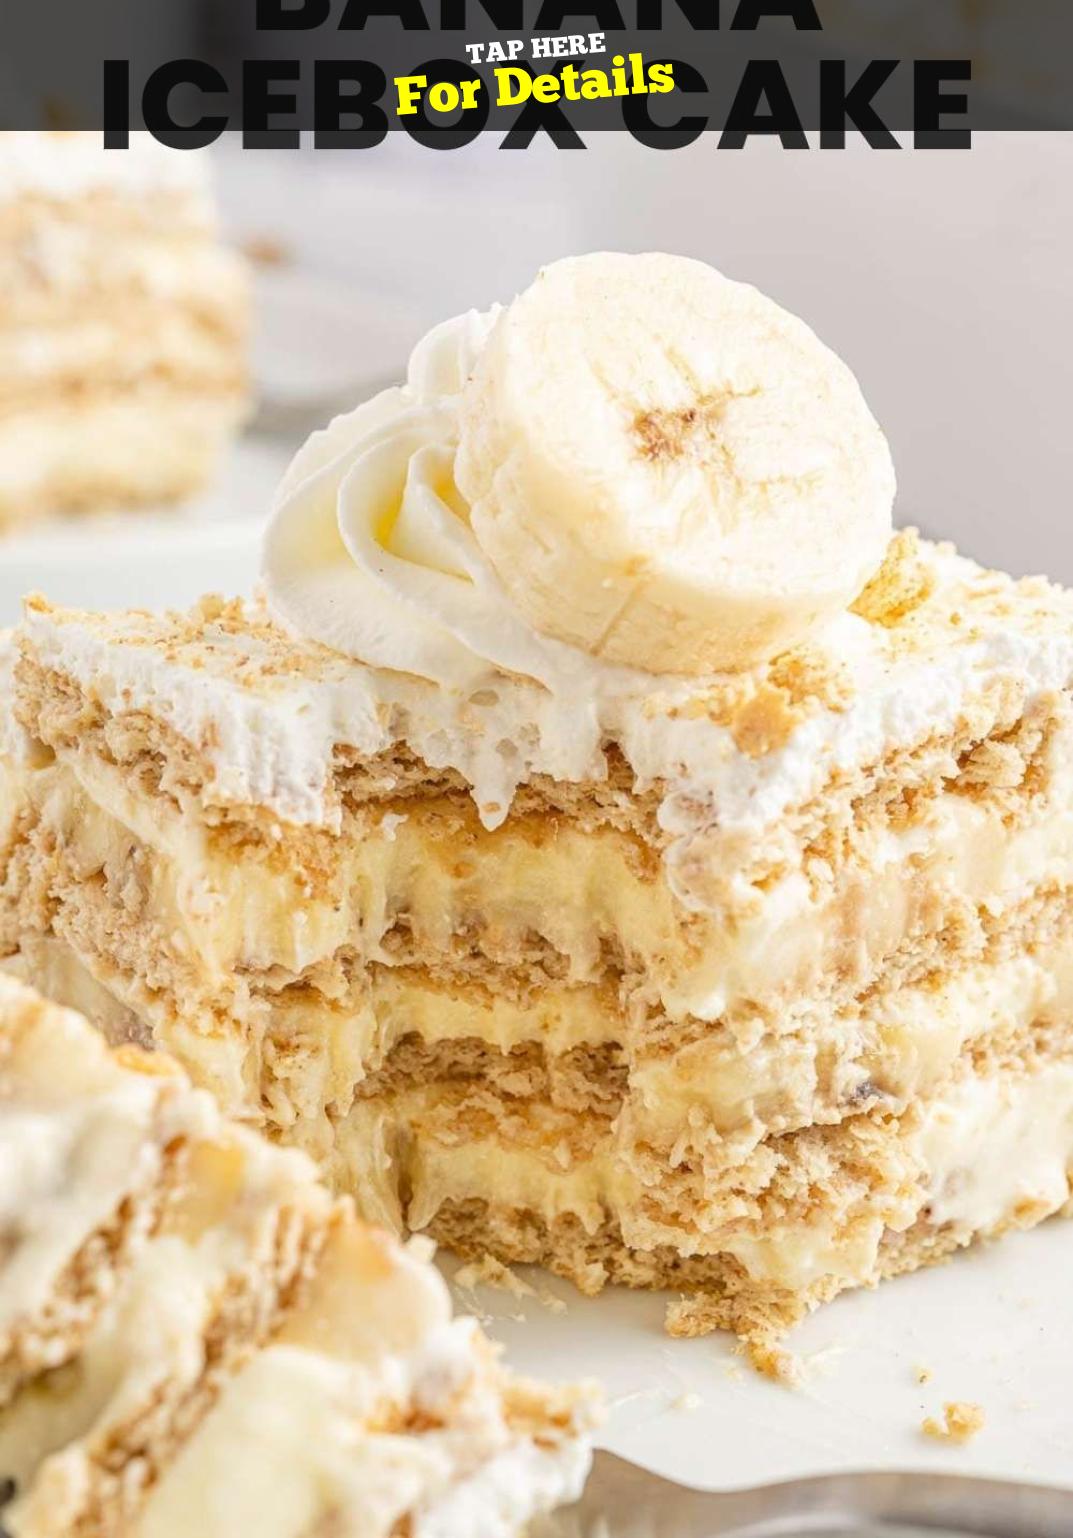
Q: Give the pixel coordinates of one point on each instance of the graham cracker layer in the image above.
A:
(55, 1335)
(286, 977)
(560, 896)
(183, 1177)
(716, 1291)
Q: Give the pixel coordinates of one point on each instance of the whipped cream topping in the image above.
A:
(273, 745)
(371, 552)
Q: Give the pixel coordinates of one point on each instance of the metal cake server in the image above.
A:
(623, 1501)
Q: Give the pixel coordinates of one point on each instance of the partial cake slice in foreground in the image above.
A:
(195, 1337)
(123, 326)
(756, 987)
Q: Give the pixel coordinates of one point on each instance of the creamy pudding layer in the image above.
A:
(300, 1061)
(802, 1219)
(537, 933)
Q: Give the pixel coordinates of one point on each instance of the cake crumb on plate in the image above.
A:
(775, 1363)
(960, 1423)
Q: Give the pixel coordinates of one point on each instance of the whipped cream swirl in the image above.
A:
(370, 549)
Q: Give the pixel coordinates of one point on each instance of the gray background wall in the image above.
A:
(944, 278)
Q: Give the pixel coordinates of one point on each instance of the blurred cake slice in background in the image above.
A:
(123, 326)
(195, 1335)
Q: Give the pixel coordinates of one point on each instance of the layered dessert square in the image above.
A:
(195, 1334)
(123, 326)
(752, 984)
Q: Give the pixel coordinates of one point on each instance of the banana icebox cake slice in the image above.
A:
(123, 325)
(196, 1337)
(540, 932)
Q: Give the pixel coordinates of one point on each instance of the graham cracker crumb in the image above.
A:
(961, 1422)
(267, 251)
(762, 709)
(764, 723)
(903, 583)
(489, 1272)
(810, 674)
(774, 1362)
(689, 1318)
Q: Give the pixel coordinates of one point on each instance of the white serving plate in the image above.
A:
(991, 1327)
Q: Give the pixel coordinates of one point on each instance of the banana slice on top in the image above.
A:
(667, 469)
